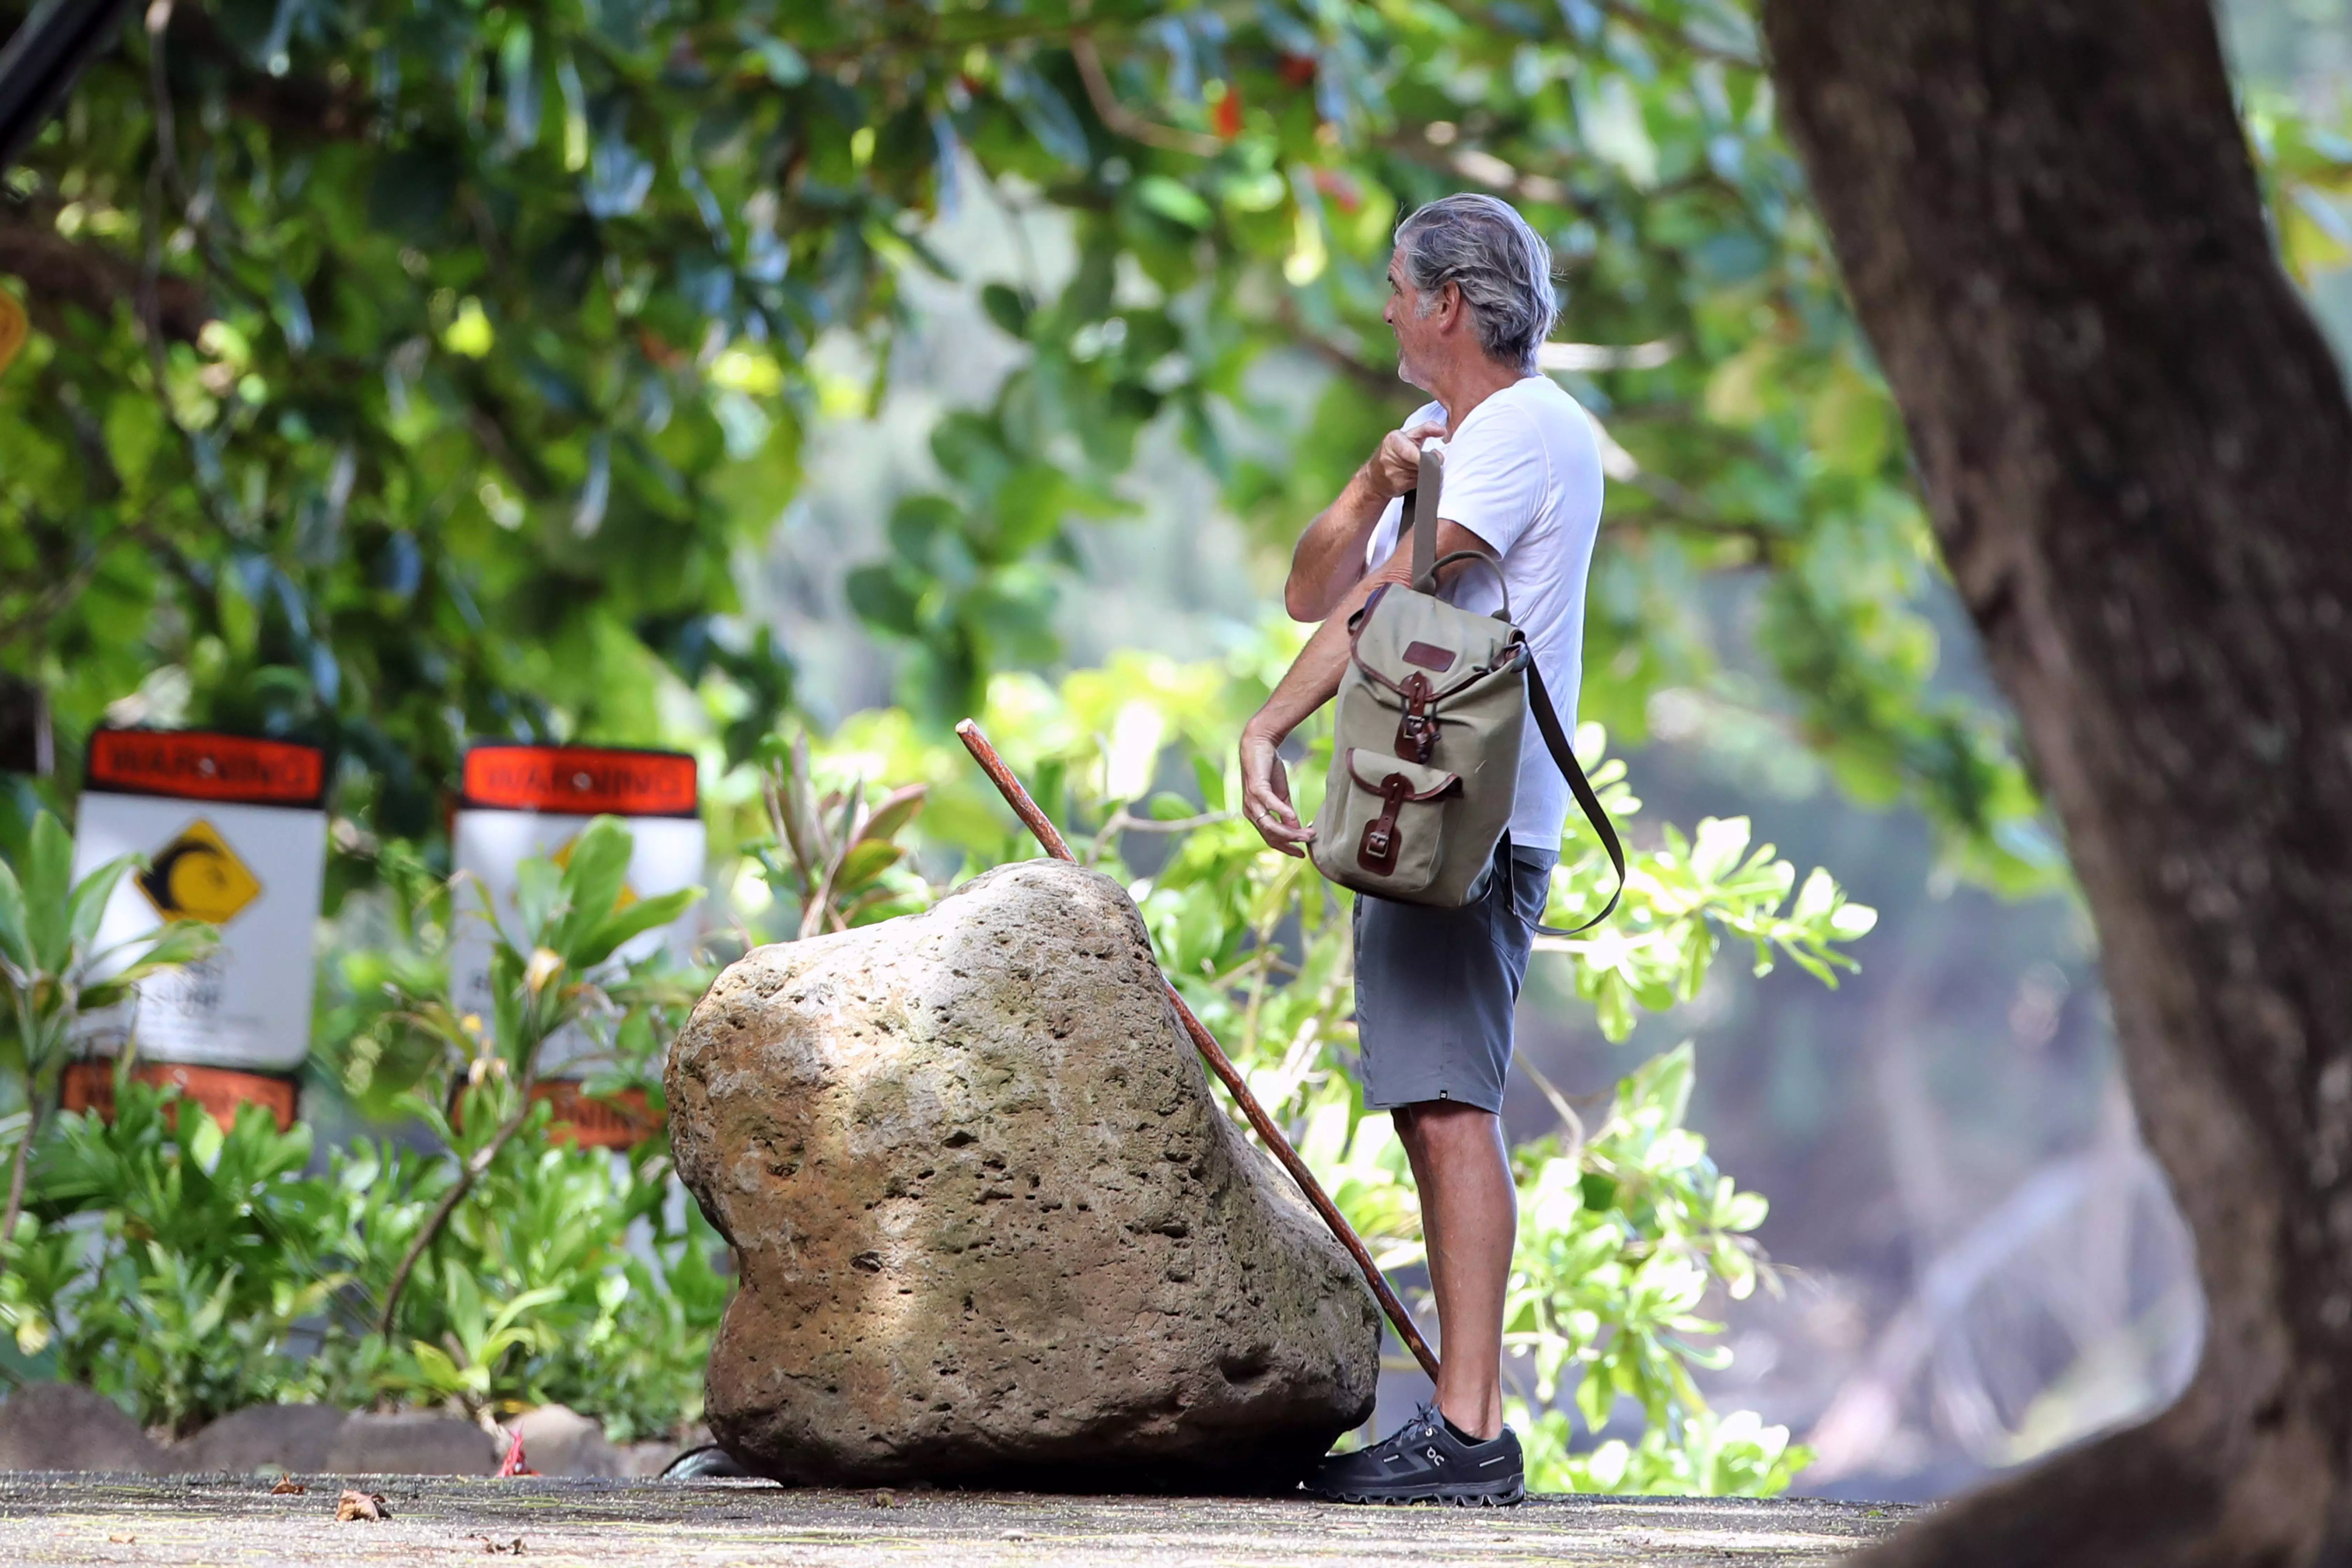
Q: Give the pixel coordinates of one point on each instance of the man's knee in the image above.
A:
(1434, 1125)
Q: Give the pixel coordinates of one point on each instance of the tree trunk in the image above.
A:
(2138, 452)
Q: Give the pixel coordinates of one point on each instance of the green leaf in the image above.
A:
(48, 887)
(86, 907)
(894, 812)
(1047, 114)
(622, 925)
(594, 876)
(170, 946)
(15, 940)
(1178, 204)
(783, 64)
(864, 861)
(1007, 308)
(883, 600)
(539, 900)
(1662, 1085)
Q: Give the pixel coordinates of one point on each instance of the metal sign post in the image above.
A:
(234, 833)
(521, 801)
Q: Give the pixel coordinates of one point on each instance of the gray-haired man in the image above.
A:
(1470, 300)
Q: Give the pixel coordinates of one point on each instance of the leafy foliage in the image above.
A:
(424, 367)
(56, 974)
(212, 1248)
(832, 855)
(1623, 1236)
(501, 1270)
(220, 1275)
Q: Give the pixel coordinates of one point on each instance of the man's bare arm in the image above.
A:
(1329, 557)
(1312, 680)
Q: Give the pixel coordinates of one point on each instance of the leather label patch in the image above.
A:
(1429, 656)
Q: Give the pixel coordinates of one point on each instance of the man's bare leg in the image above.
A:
(1470, 1218)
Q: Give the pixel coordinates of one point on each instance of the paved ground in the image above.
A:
(623, 1524)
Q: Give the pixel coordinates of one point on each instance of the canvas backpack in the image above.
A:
(1425, 762)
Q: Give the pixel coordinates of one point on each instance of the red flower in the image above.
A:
(1340, 188)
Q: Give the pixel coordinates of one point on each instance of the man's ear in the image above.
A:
(1449, 306)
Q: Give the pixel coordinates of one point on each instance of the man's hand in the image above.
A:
(1266, 795)
(1396, 467)
(1329, 556)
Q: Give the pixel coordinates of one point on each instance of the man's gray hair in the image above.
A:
(1503, 268)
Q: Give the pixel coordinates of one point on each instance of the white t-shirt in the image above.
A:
(1523, 473)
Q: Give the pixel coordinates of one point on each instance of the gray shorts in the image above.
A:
(1435, 988)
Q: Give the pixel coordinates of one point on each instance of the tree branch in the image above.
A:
(1125, 120)
(58, 269)
(468, 1175)
(1676, 507)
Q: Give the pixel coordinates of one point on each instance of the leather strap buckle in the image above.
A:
(1377, 851)
(1416, 736)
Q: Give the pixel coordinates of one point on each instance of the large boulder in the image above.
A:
(413, 1442)
(992, 1226)
(557, 1440)
(69, 1427)
(295, 1439)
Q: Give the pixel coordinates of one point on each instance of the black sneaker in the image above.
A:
(1422, 1461)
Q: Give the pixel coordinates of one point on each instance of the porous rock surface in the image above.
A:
(69, 1427)
(295, 1439)
(413, 1442)
(992, 1226)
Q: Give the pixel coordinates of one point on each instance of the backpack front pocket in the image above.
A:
(1393, 822)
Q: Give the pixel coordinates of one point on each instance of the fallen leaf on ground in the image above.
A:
(289, 1487)
(514, 1547)
(359, 1505)
(123, 1540)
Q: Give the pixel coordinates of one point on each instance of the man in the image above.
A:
(1470, 300)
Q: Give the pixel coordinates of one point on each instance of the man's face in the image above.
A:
(1420, 337)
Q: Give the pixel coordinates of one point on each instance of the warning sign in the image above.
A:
(521, 802)
(232, 832)
(582, 781)
(192, 764)
(197, 877)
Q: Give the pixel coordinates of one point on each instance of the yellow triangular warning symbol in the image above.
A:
(197, 877)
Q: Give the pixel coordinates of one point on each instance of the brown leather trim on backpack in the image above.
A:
(1377, 779)
(1470, 678)
(1377, 850)
(1416, 737)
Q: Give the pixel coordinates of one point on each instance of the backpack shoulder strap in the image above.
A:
(1564, 756)
(1420, 519)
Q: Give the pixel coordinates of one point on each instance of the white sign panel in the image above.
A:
(232, 832)
(525, 802)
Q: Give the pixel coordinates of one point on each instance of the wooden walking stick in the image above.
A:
(1220, 1064)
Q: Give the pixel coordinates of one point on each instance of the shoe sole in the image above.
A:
(1509, 1496)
